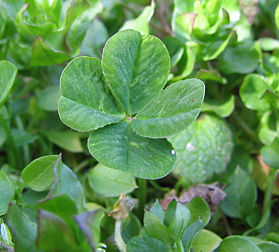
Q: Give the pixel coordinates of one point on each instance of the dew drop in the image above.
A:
(190, 147)
(173, 152)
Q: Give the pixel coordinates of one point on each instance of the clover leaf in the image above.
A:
(123, 103)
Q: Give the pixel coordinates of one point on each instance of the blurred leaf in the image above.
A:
(203, 149)
(252, 92)
(7, 192)
(8, 73)
(238, 243)
(221, 109)
(270, 154)
(239, 205)
(54, 233)
(110, 182)
(141, 23)
(67, 140)
(43, 55)
(23, 229)
(48, 98)
(89, 223)
(241, 58)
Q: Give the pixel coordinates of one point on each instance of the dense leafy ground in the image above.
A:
(139, 126)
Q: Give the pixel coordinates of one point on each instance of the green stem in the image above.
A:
(13, 152)
(246, 129)
(142, 197)
(179, 245)
(158, 187)
(26, 151)
(266, 203)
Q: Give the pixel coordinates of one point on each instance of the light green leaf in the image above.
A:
(241, 58)
(221, 109)
(179, 222)
(68, 140)
(240, 204)
(206, 241)
(140, 23)
(158, 211)
(203, 149)
(86, 103)
(238, 243)
(118, 147)
(269, 44)
(137, 72)
(211, 75)
(110, 182)
(164, 117)
(252, 92)
(39, 173)
(8, 73)
(199, 209)
(7, 192)
(48, 98)
(81, 23)
(155, 228)
(44, 55)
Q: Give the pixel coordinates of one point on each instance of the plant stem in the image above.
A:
(26, 151)
(246, 129)
(142, 197)
(118, 237)
(13, 154)
(179, 246)
(158, 187)
(266, 203)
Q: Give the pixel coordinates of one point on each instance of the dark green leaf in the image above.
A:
(137, 72)
(7, 192)
(164, 117)
(86, 103)
(118, 147)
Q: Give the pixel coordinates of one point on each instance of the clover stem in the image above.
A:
(266, 203)
(13, 154)
(142, 197)
(118, 237)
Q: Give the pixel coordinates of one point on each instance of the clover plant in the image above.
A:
(123, 103)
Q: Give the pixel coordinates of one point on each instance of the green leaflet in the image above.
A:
(203, 149)
(86, 103)
(163, 117)
(118, 147)
(138, 72)
(238, 243)
(39, 173)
